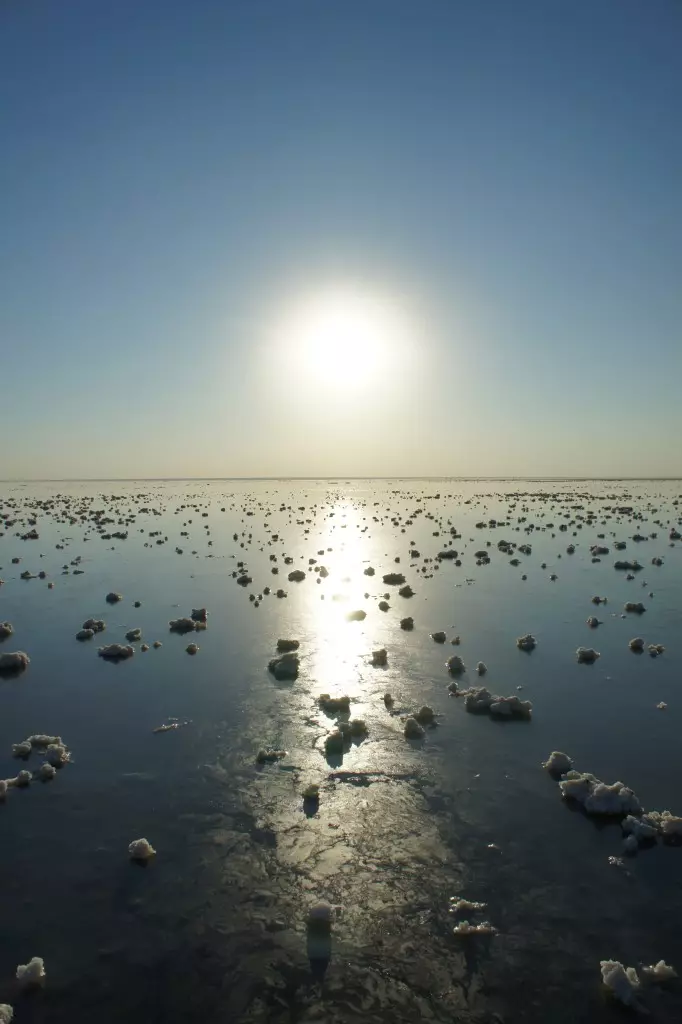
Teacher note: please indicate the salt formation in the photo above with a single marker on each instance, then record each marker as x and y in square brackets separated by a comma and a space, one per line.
[465, 928]
[593, 622]
[22, 750]
[659, 972]
[32, 973]
[6, 629]
[407, 623]
[311, 792]
[183, 625]
[133, 635]
[141, 849]
[558, 763]
[480, 700]
[199, 614]
[481, 668]
[655, 649]
[413, 730]
[357, 727]
[668, 824]
[269, 755]
[462, 904]
[192, 648]
[599, 600]
[334, 741]
[113, 597]
[6, 1013]
[356, 616]
[46, 772]
[623, 982]
[57, 755]
[320, 917]
[629, 566]
[285, 667]
[394, 579]
[455, 665]
[587, 655]
[597, 797]
[636, 644]
[297, 576]
[96, 625]
[380, 658]
[388, 700]
[634, 606]
[286, 646]
[426, 715]
[3, 789]
[85, 634]
[641, 829]
[116, 652]
[438, 637]
[14, 662]
[526, 643]
[332, 705]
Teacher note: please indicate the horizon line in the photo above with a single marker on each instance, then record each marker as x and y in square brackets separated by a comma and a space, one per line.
[336, 478]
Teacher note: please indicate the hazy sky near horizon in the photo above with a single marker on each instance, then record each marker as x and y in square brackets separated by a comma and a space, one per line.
[340, 237]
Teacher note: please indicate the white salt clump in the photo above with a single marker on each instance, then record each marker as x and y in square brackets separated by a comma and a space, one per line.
[41, 740]
[285, 667]
[511, 707]
[157, 644]
[587, 655]
[311, 792]
[636, 644]
[481, 668]
[22, 780]
[558, 763]
[668, 824]
[655, 650]
[659, 972]
[597, 797]
[192, 648]
[526, 643]
[593, 622]
[141, 849]
[14, 661]
[134, 634]
[358, 727]
[46, 772]
[22, 749]
[116, 652]
[6, 1013]
[57, 754]
[32, 973]
[413, 730]
[455, 665]
[6, 629]
[458, 905]
[662, 705]
[85, 634]
[465, 928]
[144, 648]
[622, 981]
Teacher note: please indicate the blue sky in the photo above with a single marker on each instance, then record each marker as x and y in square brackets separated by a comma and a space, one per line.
[175, 175]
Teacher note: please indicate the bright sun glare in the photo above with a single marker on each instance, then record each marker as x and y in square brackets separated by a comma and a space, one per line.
[343, 338]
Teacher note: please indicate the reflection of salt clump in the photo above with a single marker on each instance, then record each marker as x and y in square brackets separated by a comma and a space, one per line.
[32, 973]
[558, 763]
[630, 844]
[465, 928]
[622, 981]
[659, 972]
[413, 730]
[141, 849]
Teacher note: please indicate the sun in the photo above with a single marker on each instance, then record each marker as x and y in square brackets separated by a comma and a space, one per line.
[341, 337]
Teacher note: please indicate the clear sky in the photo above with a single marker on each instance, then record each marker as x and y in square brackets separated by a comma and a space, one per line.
[203, 201]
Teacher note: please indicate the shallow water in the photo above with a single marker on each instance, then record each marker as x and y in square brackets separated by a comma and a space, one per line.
[214, 928]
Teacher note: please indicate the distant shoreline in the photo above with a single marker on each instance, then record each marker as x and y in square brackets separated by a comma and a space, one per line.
[335, 479]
